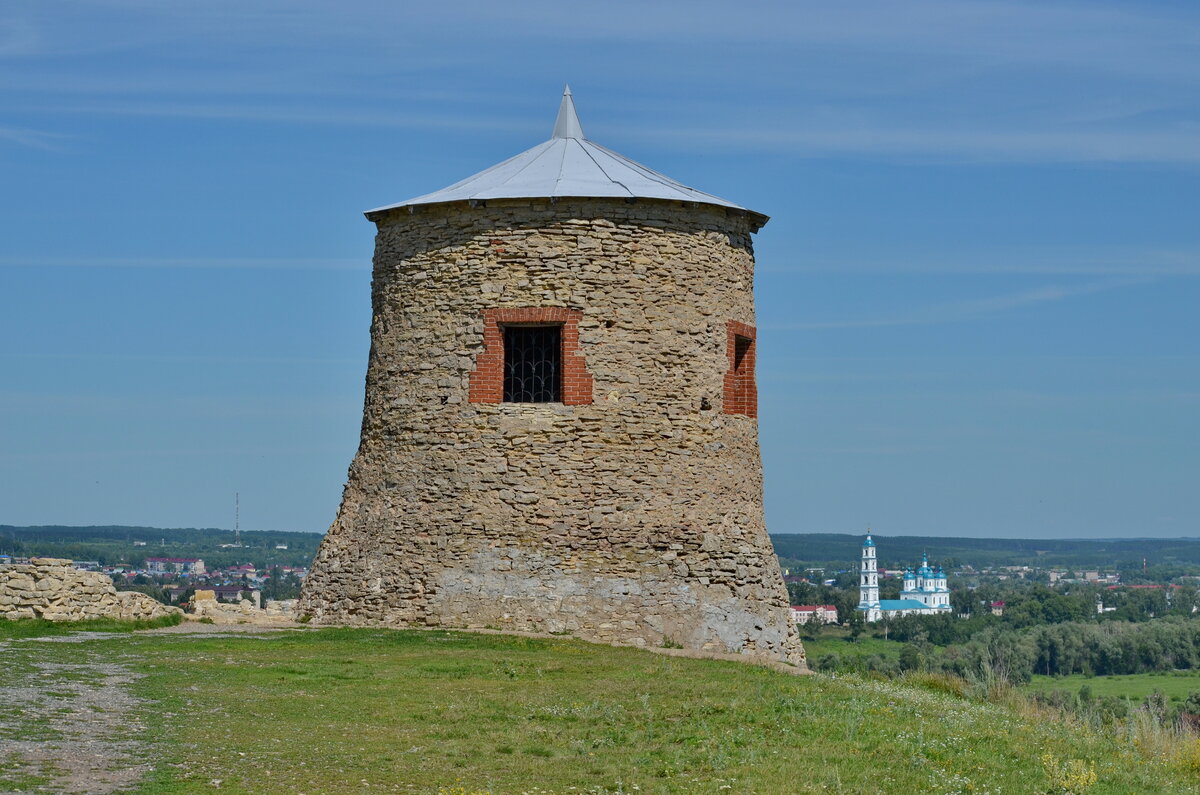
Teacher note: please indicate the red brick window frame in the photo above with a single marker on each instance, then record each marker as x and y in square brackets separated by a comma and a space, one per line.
[741, 391]
[487, 381]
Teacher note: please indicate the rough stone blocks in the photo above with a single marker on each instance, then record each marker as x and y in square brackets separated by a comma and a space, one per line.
[51, 588]
[631, 512]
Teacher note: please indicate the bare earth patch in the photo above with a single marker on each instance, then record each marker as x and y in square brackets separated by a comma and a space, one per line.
[67, 727]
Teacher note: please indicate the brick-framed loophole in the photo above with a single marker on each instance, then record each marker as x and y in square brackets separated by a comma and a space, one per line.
[741, 390]
[487, 381]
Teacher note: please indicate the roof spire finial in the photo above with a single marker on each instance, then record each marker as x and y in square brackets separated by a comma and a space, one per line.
[567, 124]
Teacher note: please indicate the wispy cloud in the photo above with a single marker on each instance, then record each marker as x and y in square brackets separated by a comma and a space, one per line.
[37, 139]
[942, 144]
[289, 113]
[959, 311]
[268, 263]
[1066, 262]
[957, 80]
[17, 37]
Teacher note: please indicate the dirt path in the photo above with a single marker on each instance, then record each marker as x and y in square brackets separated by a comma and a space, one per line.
[67, 726]
[68, 721]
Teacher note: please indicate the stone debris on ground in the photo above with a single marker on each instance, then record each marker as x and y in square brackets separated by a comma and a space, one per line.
[205, 605]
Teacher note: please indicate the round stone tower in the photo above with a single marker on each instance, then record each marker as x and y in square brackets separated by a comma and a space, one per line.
[560, 428]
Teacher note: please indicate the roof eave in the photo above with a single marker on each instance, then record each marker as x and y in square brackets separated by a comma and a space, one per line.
[757, 219]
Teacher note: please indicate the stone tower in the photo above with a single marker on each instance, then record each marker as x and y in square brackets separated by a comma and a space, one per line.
[560, 428]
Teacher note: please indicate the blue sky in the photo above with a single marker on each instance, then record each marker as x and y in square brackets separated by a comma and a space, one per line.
[977, 294]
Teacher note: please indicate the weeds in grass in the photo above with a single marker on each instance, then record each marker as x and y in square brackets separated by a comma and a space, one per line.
[938, 683]
[1071, 776]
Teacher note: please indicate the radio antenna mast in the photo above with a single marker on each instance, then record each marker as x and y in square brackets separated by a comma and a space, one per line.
[237, 519]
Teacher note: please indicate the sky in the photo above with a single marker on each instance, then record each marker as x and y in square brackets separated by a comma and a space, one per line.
[977, 295]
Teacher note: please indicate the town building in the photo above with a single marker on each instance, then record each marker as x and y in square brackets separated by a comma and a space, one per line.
[822, 614]
[186, 566]
[924, 593]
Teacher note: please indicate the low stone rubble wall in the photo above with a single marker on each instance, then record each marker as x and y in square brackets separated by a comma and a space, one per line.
[206, 605]
[53, 589]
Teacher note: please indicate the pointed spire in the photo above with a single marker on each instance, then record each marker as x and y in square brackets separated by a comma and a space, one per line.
[567, 124]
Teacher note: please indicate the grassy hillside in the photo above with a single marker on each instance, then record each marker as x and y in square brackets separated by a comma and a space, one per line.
[445, 712]
[836, 641]
[1175, 685]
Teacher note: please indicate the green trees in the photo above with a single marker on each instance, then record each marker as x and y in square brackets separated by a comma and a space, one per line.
[279, 586]
[1091, 649]
[856, 623]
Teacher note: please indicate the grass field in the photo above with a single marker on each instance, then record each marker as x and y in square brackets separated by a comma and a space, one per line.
[836, 640]
[1175, 685]
[39, 628]
[331, 711]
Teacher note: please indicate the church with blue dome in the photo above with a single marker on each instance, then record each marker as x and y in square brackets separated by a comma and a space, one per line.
[925, 591]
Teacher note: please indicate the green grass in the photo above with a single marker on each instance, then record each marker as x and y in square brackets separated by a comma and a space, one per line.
[836, 640]
[361, 710]
[37, 628]
[1175, 685]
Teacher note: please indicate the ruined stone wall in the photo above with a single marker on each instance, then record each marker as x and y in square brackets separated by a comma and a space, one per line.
[634, 517]
[52, 589]
[276, 612]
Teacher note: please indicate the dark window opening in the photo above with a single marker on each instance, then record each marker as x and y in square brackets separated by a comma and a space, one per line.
[741, 347]
[532, 364]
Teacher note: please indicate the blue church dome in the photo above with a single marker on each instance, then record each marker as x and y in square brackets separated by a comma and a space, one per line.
[868, 542]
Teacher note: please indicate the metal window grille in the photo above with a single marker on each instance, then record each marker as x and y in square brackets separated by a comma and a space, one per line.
[532, 364]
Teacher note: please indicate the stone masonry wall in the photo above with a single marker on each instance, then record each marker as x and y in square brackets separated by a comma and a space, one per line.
[53, 589]
[634, 517]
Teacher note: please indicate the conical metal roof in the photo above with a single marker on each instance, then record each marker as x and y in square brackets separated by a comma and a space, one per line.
[568, 165]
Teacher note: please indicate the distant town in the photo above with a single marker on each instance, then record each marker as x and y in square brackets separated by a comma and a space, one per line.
[171, 564]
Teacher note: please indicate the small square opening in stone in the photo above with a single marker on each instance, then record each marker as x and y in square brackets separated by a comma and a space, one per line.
[532, 364]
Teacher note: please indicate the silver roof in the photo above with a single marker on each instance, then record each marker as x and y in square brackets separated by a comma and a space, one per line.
[567, 165]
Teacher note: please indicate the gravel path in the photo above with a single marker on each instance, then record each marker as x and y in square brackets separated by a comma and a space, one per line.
[71, 726]
[67, 727]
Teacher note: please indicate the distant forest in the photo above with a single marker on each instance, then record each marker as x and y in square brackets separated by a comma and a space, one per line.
[843, 551]
[112, 544]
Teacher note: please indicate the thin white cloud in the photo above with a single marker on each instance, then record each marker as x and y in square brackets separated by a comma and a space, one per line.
[17, 37]
[798, 137]
[172, 358]
[941, 144]
[1106, 262]
[959, 311]
[1141, 38]
[267, 263]
[36, 139]
[290, 114]
[946, 80]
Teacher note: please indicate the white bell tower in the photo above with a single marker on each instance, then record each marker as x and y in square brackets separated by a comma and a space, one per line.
[868, 582]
